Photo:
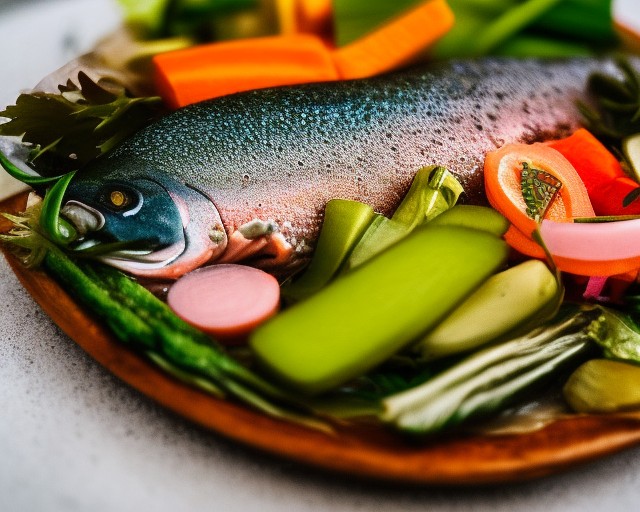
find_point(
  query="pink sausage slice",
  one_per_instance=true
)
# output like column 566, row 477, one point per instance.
column 226, row 300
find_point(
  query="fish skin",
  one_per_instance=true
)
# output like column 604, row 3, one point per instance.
column 282, row 153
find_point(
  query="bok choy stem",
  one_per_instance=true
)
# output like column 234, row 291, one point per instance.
column 490, row 379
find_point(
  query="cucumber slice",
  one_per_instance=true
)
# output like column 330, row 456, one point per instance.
column 369, row 314
column 503, row 302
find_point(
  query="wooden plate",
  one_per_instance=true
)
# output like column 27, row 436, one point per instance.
column 363, row 451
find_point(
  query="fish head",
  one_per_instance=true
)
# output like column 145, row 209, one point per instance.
column 146, row 224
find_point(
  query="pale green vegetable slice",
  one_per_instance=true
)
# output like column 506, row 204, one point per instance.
column 503, row 302
column 601, row 385
column 631, row 150
column 368, row 314
column 344, row 223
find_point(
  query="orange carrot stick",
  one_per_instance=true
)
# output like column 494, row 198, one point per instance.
column 395, row 43
column 606, row 182
column 207, row 71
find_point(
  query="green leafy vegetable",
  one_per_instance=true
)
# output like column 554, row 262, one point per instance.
column 353, row 19
column 490, row 380
column 619, row 333
column 69, row 129
column 528, row 28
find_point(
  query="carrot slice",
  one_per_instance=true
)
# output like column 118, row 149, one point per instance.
column 606, row 182
column 503, row 173
column 207, row 71
column 395, row 43
column 227, row 301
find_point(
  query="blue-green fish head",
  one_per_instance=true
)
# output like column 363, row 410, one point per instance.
column 140, row 224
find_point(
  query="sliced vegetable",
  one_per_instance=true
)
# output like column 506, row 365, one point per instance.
column 505, row 301
column 227, row 301
column 368, row 314
column 395, row 43
column 529, row 182
column 603, row 386
column 433, row 191
column 475, row 217
column 593, row 248
column 631, row 150
column 606, row 182
column 489, row 380
column 342, row 228
column 210, row 70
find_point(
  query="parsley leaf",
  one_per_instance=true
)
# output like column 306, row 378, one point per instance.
column 82, row 122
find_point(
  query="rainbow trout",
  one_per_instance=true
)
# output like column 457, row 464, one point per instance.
column 249, row 174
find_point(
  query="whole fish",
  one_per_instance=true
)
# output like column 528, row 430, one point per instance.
column 248, row 175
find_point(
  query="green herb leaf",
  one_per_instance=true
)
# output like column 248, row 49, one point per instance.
column 618, row 333
column 69, row 129
column 57, row 230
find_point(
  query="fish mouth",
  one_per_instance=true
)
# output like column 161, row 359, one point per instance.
column 125, row 255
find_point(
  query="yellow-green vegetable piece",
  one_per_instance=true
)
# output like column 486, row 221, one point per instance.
column 472, row 216
column 370, row 313
column 504, row 301
column 344, row 223
column 602, row 385
column 434, row 190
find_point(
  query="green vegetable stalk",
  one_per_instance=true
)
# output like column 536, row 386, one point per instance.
column 490, row 380
column 352, row 233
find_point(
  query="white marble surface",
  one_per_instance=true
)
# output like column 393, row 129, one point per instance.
column 74, row 438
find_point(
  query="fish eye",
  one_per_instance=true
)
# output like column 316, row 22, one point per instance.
column 119, row 198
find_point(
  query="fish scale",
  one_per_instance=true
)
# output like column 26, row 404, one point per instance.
column 282, row 153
